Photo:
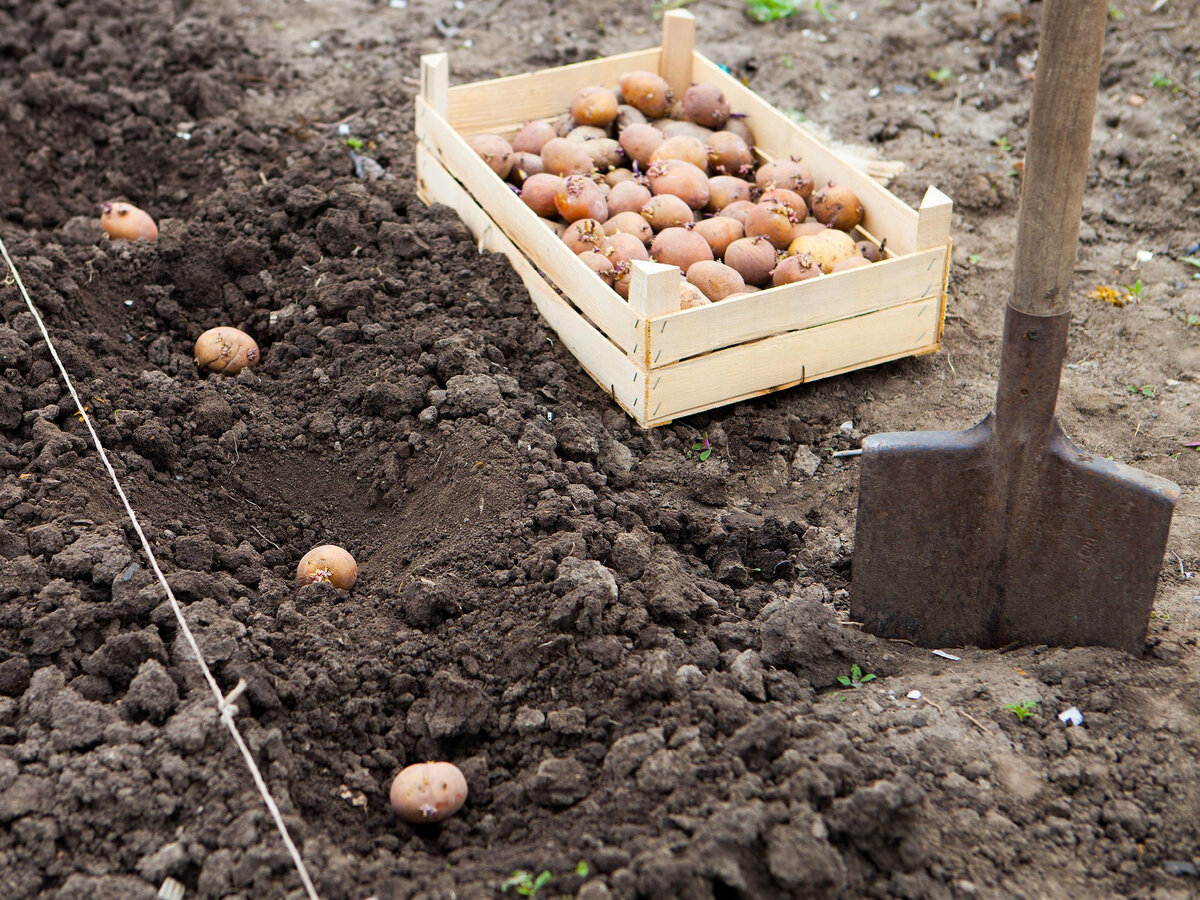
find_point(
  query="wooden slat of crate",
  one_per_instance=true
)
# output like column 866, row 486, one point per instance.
column 800, row 305
column 595, row 299
column 603, row 361
column 502, row 104
column 741, row 372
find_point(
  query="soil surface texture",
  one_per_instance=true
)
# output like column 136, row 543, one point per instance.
column 632, row 653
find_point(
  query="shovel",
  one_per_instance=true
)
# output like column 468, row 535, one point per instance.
column 1007, row 533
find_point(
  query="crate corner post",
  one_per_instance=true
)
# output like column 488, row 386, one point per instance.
column 678, row 44
column 435, row 82
column 933, row 219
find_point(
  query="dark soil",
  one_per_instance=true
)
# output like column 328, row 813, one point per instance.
column 631, row 653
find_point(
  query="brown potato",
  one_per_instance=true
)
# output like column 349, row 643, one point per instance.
column 728, row 154
column 554, row 225
column 667, row 211
column 720, row 232
column 628, row 115
column 495, row 150
column 616, row 176
column 772, row 220
column 583, row 234
column 691, row 296
column 851, row 262
column 623, row 247
column 124, row 221
column 594, row 106
column 754, row 259
column 716, row 280
column 682, row 128
column 628, row 196
column 793, row 201
column 647, row 92
column 679, row 247
column 705, row 105
column 428, row 792
column 330, row 563
column 726, row 189
column 736, row 124
column 578, row 197
column 684, row 180
column 738, row 209
column 639, row 142
column 685, row 147
column 564, row 157
column 606, row 153
column 532, row 136
column 598, row 261
column 810, row 226
column 800, row 267
column 583, row 133
column 630, row 223
column 870, row 251
column 523, row 165
column 786, row 173
column 838, row 207
column 828, row 247
column 539, row 192
column 225, row 350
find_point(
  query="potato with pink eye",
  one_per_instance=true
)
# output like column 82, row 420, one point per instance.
column 791, row 269
column 685, row 181
column 598, row 262
column 594, row 106
column 533, row 136
column 124, row 221
column 785, row 173
column 623, row 247
column 667, row 211
column 495, row 151
column 583, row 234
column 428, row 792
column 705, row 104
column 633, row 223
column 578, row 197
column 328, row 563
column 225, row 350
column 683, row 147
column 838, row 207
column 728, row 154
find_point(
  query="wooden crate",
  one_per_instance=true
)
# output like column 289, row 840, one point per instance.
column 657, row 361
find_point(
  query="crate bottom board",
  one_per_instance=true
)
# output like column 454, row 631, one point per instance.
column 626, row 382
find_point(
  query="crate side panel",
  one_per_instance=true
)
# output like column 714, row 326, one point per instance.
column 547, row 252
column 801, row 305
column 502, row 103
column 886, row 214
column 605, row 363
column 791, row 358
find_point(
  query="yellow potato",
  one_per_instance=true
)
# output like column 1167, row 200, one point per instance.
column 328, row 562
column 428, row 792
column 828, row 247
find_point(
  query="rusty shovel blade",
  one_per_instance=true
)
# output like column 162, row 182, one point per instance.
column 1007, row 532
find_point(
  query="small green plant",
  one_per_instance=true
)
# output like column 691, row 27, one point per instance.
column 1135, row 290
column 795, row 115
column 1146, row 390
column 1003, row 144
column 1022, row 709
column 355, row 143
column 773, row 10
column 1193, row 320
column 1115, row 14
column 1191, row 260
column 526, row 884
column 940, row 76
column 582, row 869
column 856, row 677
column 1162, row 81
column 974, row 259
column 703, row 448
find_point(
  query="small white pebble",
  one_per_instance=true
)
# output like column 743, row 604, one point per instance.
column 913, row 695
column 1145, row 255
column 343, row 128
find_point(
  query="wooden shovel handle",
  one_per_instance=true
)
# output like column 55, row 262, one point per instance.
column 1056, row 161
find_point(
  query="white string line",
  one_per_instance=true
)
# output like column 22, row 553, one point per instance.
column 225, row 703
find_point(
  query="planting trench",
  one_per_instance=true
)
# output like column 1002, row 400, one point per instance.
column 630, row 652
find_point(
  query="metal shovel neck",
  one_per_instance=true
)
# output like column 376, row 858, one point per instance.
column 1031, row 360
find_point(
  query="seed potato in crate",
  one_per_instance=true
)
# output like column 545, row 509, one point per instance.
column 657, row 360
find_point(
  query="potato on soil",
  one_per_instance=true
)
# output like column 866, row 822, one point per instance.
column 785, row 173
column 225, row 350
column 564, row 157
column 685, row 147
column 720, row 232
column 800, row 267
column 578, row 197
column 738, row 209
column 691, row 296
column 647, row 92
column 728, row 154
column 124, row 221
column 772, row 220
column 680, row 247
column 428, row 792
column 667, row 211
column 726, row 189
column 594, row 106
column 716, row 280
column 838, row 207
column 533, row 136
column 598, row 262
column 870, row 251
column 828, row 247
column 705, row 105
column 583, row 234
column 330, row 563
column 639, row 142
column 684, row 180
column 495, row 150
column 851, row 262
column 606, row 153
column 633, row 223
column 754, row 259
column 539, row 191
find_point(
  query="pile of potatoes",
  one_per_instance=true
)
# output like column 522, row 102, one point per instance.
column 636, row 173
